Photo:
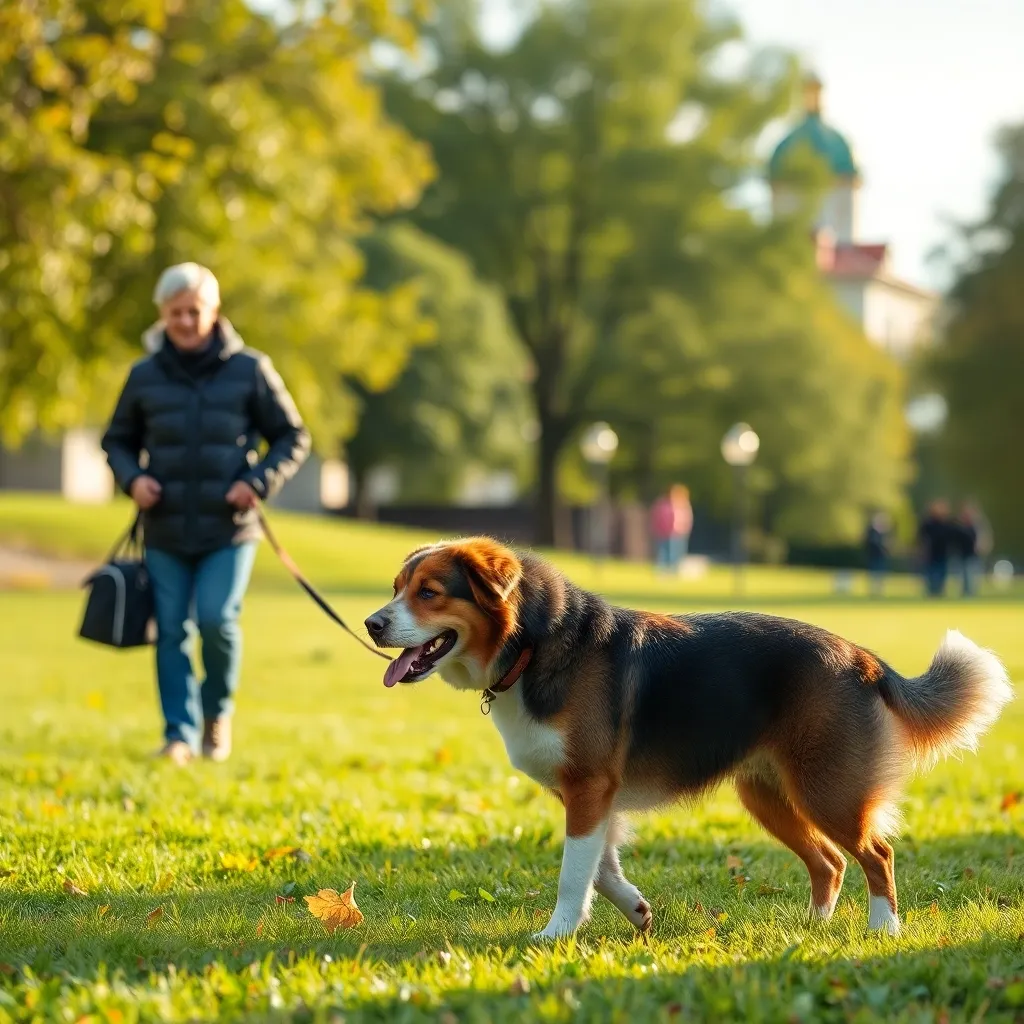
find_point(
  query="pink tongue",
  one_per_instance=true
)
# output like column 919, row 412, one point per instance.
column 397, row 669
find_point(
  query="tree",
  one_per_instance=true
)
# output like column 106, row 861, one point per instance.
column 589, row 165
column 980, row 364
column 136, row 136
column 460, row 402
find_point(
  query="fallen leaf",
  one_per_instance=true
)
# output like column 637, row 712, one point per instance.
column 73, row 890
column 259, row 929
column 284, row 899
column 335, row 911
column 280, row 851
column 101, row 910
column 733, row 863
column 442, row 756
column 934, row 909
column 454, row 895
column 740, row 881
column 485, row 895
column 710, row 933
column 6, row 969
column 164, row 882
column 155, row 914
column 1010, row 800
column 238, row 862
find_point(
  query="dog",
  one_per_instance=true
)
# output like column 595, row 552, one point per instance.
column 616, row 710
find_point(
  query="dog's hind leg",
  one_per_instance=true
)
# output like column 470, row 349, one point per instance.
column 825, row 864
column 613, row 884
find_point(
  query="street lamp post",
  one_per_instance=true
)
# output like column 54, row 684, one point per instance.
column 739, row 449
column 598, row 446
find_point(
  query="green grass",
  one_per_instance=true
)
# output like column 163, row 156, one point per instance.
column 342, row 555
column 409, row 793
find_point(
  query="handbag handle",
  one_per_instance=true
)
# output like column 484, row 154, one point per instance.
column 132, row 540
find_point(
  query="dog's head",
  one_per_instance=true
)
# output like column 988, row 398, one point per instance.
column 455, row 605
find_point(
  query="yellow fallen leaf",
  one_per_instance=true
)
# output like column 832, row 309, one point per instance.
column 485, row 895
column 154, row 915
column 259, row 929
column 238, row 862
column 164, row 882
column 101, row 910
column 280, row 851
column 335, row 911
column 72, row 889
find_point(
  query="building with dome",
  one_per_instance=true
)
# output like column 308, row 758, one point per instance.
column 895, row 314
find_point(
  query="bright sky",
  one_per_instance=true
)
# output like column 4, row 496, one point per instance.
column 919, row 87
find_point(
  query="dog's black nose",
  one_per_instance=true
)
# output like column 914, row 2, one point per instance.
column 376, row 624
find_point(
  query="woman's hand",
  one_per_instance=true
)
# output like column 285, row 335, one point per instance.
column 145, row 492
column 242, row 496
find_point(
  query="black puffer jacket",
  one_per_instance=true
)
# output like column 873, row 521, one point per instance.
column 199, row 422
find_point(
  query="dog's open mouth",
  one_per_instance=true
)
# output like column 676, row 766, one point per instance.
column 416, row 662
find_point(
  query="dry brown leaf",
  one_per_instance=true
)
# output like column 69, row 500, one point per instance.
column 280, row 851
column 335, row 911
column 73, row 890
column 155, row 914
column 6, row 969
column 934, row 908
column 284, row 899
column 259, row 929
column 733, row 863
column 1010, row 800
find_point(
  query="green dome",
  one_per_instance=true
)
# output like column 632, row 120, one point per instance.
column 822, row 139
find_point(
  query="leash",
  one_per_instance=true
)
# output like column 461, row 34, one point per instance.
column 289, row 564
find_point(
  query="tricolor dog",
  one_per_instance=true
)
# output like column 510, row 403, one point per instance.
column 617, row 710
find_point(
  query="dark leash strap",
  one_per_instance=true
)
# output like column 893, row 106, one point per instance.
column 289, row 564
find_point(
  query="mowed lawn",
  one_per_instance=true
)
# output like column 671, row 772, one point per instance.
column 455, row 856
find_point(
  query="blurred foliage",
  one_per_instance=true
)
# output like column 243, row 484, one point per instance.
column 138, row 135
column 590, row 172
column 459, row 406
column 980, row 365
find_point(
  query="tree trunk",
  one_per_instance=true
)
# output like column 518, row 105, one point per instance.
column 364, row 508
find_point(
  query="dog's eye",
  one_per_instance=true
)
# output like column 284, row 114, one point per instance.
column 426, row 593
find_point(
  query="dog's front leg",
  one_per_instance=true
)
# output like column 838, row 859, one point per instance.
column 587, row 805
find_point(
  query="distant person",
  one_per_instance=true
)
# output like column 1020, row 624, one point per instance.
column 199, row 405
column 970, row 540
column 876, row 551
column 671, row 525
column 935, row 536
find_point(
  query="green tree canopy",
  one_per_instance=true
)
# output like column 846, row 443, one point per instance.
column 980, row 365
column 139, row 135
column 589, row 171
column 460, row 403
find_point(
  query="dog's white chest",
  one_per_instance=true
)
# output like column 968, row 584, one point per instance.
column 534, row 748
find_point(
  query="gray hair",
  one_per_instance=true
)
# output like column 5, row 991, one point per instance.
column 187, row 277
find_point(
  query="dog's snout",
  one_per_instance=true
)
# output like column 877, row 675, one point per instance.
column 376, row 624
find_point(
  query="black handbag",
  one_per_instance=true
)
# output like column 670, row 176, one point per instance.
column 119, row 608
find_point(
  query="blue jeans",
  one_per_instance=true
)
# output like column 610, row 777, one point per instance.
column 935, row 574
column 670, row 551
column 208, row 591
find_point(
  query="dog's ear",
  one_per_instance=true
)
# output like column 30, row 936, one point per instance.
column 493, row 572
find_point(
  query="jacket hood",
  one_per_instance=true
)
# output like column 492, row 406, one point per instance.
column 153, row 337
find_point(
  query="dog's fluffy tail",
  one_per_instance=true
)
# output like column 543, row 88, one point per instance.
column 953, row 703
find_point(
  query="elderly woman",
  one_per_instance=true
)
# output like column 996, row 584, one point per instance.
column 199, row 405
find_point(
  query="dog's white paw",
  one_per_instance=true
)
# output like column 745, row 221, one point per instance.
column 557, row 928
